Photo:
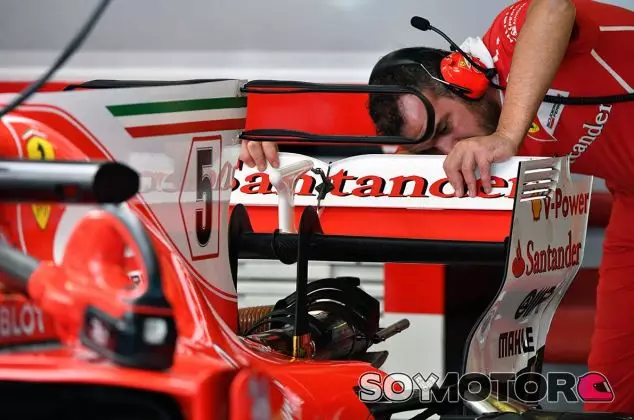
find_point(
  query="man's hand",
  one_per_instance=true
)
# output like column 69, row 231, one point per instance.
column 480, row 153
column 259, row 153
column 543, row 39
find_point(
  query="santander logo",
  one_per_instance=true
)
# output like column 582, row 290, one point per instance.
column 551, row 258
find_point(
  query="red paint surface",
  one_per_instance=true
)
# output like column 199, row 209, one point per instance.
column 414, row 288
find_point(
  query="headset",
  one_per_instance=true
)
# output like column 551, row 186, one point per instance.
column 466, row 75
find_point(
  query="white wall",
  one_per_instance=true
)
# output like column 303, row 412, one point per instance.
column 314, row 40
column 321, row 40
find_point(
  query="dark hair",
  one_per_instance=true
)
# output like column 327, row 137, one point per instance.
column 394, row 69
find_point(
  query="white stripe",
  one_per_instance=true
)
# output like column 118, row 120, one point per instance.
column 225, row 356
column 215, row 290
column 201, row 332
column 614, row 74
column 616, row 28
column 180, row 117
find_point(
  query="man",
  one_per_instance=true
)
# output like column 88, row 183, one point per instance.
column 574, row 48
column 539, row 47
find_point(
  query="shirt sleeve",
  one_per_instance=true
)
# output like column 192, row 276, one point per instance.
column 503, row 33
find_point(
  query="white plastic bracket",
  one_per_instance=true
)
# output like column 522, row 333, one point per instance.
column 284, row 180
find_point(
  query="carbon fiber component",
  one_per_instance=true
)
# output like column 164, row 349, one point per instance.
column 343, row 321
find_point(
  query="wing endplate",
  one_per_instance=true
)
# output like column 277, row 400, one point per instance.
column 544, row 253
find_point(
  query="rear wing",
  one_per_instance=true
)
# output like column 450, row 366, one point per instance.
column 372, row 181
column 546, row 248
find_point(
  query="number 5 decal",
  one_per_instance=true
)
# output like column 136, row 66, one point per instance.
column 200, row 198
column 203, row 195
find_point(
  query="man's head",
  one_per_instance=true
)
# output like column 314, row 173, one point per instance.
column 456, row 118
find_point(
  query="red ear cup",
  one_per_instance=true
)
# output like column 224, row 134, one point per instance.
column 455, row 69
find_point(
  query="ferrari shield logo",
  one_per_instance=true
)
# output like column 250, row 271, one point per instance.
column 537, row 132
column 534, row 128
column 38, row 148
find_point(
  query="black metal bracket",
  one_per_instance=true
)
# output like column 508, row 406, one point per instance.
column 326, row 184
column 239, row 223
column 308, row 226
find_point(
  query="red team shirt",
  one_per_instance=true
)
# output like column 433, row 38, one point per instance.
column 599, row 62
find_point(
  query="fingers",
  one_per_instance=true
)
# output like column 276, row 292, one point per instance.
column 255, row 153
column 452, row 167
column 271, row 153
column 468, row 173
column 484, row 166
column 245, row 156
column 460, row 166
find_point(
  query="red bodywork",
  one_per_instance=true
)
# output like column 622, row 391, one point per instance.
column 213, row 366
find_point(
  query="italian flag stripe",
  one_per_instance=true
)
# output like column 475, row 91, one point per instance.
column 186, row 128
column 181, row 117
column 177, row 106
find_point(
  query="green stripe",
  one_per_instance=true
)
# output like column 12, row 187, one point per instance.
column 177, row 106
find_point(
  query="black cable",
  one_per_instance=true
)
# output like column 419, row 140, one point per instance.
column 588, row 100
column 70, row 49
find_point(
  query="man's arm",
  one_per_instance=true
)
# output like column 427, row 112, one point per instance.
column 541, row 46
